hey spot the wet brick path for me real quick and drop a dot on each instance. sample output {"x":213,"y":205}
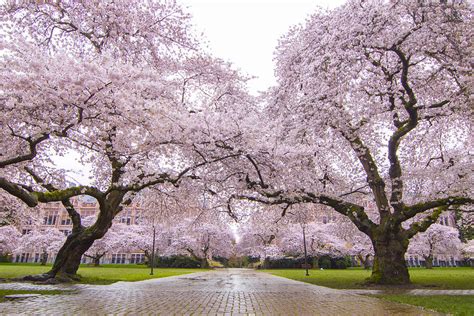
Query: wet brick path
{"x":221,"y":292}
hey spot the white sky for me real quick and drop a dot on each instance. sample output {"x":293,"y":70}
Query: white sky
{"x":244,"y":32}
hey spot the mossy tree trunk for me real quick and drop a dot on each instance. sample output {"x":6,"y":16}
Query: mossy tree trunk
{"x":81,"y":239}
{"x":389,"y":260}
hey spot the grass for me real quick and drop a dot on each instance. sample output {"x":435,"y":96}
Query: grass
{"x":104,"y":274}
{"x":450,"y":304}
{"x":437,"y":278}
{"x":4,"y":293}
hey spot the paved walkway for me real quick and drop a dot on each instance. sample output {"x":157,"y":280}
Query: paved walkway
{"x":222,"y":292}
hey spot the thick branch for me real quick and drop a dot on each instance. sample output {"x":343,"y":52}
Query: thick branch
{"x":73,"y":214}
{"x":410,"y":211}
{"x":32,"y":144}
{"x":375,"y":181}
{"x":353,"y":211}
{"x":252,"y":161}
{"x":419,"y":227}
{"x":395,"y":170}
{"x":18,"y":191}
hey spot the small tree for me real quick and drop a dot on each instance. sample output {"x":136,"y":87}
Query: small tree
{"x":9,"y":240}
{"x":437,"y":240}
{"x":43,"y":241}
{"x":202,"y":239}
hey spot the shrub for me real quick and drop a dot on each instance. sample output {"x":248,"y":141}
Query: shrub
{"x":178,"y":262}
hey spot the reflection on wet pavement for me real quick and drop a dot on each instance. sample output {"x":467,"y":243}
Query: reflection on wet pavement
{"x":226,"y":291}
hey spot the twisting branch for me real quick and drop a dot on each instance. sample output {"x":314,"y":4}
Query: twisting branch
{"x":419,"y":227}
{"x":73,"y":214}
{"x":410,"y":211}
{"x":353,"y":211}
{"x":395,"y":170}
{"x":32,"y":146}
{"x":375,"y":181}
{"x":253,"y":162}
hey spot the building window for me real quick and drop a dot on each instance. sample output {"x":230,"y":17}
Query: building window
{"x":118,"y":258}
{"x":126,"y":220}
{"x":137,"y":258}
{"x":50,"y":220}
{"x":23,"y":258}
{"x":66,"y":221}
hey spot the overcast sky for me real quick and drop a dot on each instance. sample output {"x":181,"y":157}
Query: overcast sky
{"x":246,"y":32}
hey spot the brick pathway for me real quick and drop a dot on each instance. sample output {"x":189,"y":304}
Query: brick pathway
{"x":222,"y":292}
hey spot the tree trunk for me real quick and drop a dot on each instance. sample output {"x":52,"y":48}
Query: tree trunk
{"x":315,"y":263}
{"x":204,"y":263}
{"x":97,"y":261}
{"x":69,"y":256}
{"x":389,"y":260}
{"x":364,"y":261}
{"x":428,"y":261}
{"x":44,"y":258}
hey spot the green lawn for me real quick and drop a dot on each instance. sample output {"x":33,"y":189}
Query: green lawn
{"x":104,"y":274}
{"x":450,"y":304}
{"x":3,"y":293}
{"x":437,"y":278}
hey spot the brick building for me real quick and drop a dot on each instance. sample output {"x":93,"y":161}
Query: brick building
{"x":54,"y":215}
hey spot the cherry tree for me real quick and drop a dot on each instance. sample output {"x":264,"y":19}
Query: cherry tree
{"x":203,"y":239}
{"x":373,"y":102}
{"x":362,"y":248}
{"x":437,"y":240}
{"x":9,"y":239}
{"x":259,"y":231}
{"x":140,"y":238}
{"x":44,"y":241}
{"x":121,"y":72}
{"x":320,"y":238}
{"x":467,"y":250}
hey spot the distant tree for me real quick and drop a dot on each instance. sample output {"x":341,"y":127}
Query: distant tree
{"x":202,"y":239}
{"x":437,"y":240}
{"x":464,"y":221}
{"x":467,"y":250}
{"x":9,"y":239}
{"x":41,"y":240}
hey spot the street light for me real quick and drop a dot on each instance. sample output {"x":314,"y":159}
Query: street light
{"x":153,"y":248}
{"x":305,"y":252}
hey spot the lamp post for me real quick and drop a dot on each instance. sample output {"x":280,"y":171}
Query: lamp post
{"x":153,"y":249}
{"x":305,"y":252}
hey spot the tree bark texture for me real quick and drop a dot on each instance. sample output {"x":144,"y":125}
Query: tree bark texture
{"x":389,"y":261}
